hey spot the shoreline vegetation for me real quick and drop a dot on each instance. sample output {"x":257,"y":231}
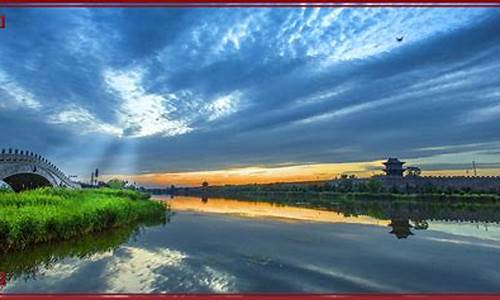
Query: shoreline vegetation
{"x":51,"y":214}
{"x":344,"y":196}
{"x":319,"y":195}
{"x":452,"y":206}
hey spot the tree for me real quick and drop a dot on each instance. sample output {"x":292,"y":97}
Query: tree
{"x":413,"y":171}
{"x":374,"y":185}
{"x":204,"y":184}
{"x":346,"y":185}
{"x":116,"y":183}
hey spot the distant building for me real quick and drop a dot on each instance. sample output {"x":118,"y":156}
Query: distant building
{"x":408,"y":179}
{"x":394,"y":167}
{"x":397,"y":177}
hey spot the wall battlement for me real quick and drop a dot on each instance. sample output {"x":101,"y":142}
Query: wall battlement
{"x":474,"y":183}
{"x":459,"y":177}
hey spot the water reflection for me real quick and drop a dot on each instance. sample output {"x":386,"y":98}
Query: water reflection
{"x":29,"y":263}
{"x":401,"y":228}
{"x":403,"y":219}
{"x":220,"y":245}
{"x":258,"y":209}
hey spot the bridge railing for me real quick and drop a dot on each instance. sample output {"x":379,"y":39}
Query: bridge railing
{"x":16,"y":155}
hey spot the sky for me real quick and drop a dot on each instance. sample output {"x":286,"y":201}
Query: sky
{"x":177,"y":96}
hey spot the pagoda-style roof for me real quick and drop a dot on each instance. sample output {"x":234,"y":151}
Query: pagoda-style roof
{"x":393,"y":161}
{"x":394,"y":167}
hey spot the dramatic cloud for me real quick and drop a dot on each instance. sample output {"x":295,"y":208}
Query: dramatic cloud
{"x":15,"y":96}
{"x":137,"y":91}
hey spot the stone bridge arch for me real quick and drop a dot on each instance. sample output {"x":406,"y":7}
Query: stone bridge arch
{"x":23,"y":170}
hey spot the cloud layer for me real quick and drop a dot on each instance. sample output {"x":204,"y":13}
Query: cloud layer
{"x":156,"y":90}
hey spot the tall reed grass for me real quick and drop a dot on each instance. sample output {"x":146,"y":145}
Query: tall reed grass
{"x":43,"y":215}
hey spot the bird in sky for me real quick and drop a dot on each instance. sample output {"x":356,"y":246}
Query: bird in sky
{"x":399,"y":38}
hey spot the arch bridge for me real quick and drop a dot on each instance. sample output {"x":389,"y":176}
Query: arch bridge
{"x":23,"y":170}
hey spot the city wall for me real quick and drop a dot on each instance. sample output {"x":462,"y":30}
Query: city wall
{"x":474,"y":183}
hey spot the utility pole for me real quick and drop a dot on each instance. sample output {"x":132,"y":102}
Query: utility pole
{"x":474,"y":168}
{"x":96,"y":175}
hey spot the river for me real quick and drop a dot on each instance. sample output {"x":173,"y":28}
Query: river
{"x":230,"y":246}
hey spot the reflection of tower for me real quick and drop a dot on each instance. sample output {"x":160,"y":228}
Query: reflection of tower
{"x":204,"y":197}
{"x":401,"y":227}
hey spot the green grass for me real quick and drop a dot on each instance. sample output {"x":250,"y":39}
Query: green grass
{"x":48,"y":214}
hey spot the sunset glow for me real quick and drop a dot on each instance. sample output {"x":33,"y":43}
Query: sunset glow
{"x":265,"y":210}
{"x":263,"y":175}
{"x":252,"y":175}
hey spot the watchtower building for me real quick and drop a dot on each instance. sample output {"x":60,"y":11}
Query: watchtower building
{"x":394,"y":167}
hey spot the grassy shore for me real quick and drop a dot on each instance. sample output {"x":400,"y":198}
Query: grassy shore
{"x":45,"y":215}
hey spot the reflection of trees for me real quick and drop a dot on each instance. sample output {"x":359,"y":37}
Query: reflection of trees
{"x":407,"y":216}
{"x":401,"y":226}
{"x":418,"y":208}
{"x":420,"y":224}
{"x":204,"y":199}
{"x":28,"y":263}
{"x":420,"y":213}
{"x":413,"y":171}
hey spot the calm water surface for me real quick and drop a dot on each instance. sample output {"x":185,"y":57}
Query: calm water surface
{"x":218,"y":245}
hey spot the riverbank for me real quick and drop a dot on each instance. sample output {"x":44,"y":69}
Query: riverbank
{"x":44,"y":215}
{"x":325,"y":198}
